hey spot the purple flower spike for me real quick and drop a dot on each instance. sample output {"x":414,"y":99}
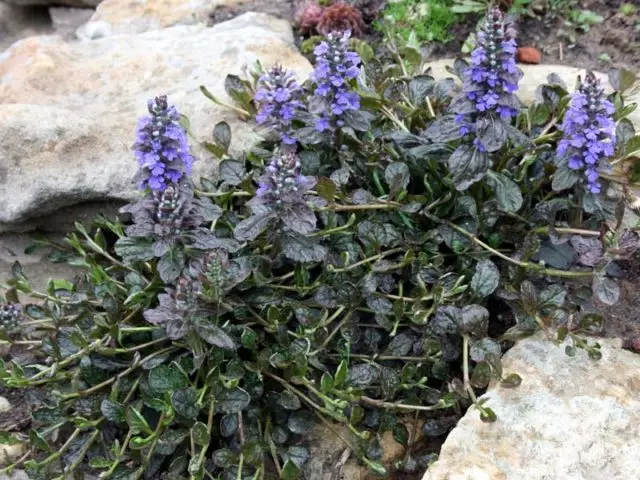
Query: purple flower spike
{"x":278,"y":99}
{"x":282,"y":182}
{"x":492,"y":77}
{"x":334,"y":71}
{"x":161,"y":147}
{"x":588,"y":132}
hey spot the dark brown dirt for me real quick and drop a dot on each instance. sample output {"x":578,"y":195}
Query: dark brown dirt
{"x":622,"y":320}
{"x":617,"y":37}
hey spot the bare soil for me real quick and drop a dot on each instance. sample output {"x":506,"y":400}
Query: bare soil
{"x":616,"y":37}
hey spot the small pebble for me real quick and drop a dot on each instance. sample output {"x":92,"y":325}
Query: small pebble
{"x":5,"y":406}
{"x":529,"y":55}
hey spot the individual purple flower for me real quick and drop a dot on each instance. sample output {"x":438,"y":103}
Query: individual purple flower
{"x":278,"y":99}
{"x":11,"y":317}
{"x":492,"y":77}
{"x":161,"y":147}
{"x":335,"y":69}
{"x":588,"y":132}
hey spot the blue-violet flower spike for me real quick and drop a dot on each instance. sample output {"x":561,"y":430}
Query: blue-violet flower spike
{"x":492,"y":78}
{"x":278,"y":99}
{"x":161,"y":147}
{"x":588,"y":132}
{"x":282,"y":182}
{"x":336,"y":66}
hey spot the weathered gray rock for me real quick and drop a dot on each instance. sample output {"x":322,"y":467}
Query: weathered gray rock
{"x":117,"y":17}
{"x":18,"y":22}
{"x":66,"y":20}
{"x":68,"y":110}
{"x":570,"y":419}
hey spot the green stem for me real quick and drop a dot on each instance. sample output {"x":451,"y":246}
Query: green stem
{"x":465,"y":368}
{"x":382,"y":358}
{"x":528,"y":265}
{"x":374,"y":258}
{"x":95,"y":388}
{"x":85,"y":448}
{"x":222,"y":194}
{"x":54,"y":456}
{"x":401,"y":406}
{"x":70,"y":359}
{"x":344,"y":320}
{"x":577,"y":231}
{"x":352,"y":208}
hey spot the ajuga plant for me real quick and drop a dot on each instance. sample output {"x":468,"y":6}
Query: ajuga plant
{"x":367,"y":277}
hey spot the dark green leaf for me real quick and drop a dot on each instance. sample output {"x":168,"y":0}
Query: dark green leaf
{"x":400,"y":345}
{"x":303,"y":249}
{"x":171,"y":264}
{"x":362,"y":375}
{"x":166,"y":378}
{"x":298,"y":455}
{"x":133,"y":250}
{"x":214,"y":335}
{"x":475,"y":320}
{"x":112,"y":411}
{"x":481,"y":375}
{"x":447,"y":320}
{"x":484,"y":347}
{"x":491,"y":132}
{"x":200,"y":434}
{"x":486,"y":278}
{"x":184,"y":402}
{"x":298,"y":218}
{"x":397,"y":176}
{"x":507,"y":191}
{"x":222,"y":136}
{"x":564,"y":178}
{"x":511,"y":381}
{"x":231,"y":172}
{"x":290,"y":471}
{"x":232,"y":401}
{"x":401,"y":434}
{"x":487,"y":415}
{"x":444,"y":129}
{"x":607,"y":290}
{"x":467,"y":165}
{"x":289,"y":400}
{"x":252,"y":227}
{"x":300,"y":422}
{"x":420,"y":87}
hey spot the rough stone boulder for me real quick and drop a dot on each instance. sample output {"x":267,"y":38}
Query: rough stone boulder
{"x":68,"y":110}
{"x":570,"y":419}
{"x":117,"y":17}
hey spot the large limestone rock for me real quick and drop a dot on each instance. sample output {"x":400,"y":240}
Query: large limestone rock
{"x":570,"y":419}
{"x":117,"y":17}
{"x":68,"y":110}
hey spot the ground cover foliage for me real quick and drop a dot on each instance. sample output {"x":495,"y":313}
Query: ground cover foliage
{"x":370,"y":260}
